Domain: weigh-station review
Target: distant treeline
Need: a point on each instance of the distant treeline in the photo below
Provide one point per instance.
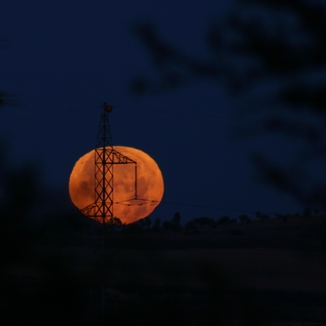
(77, 223)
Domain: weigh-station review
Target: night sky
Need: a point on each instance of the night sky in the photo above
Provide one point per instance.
(61, 61)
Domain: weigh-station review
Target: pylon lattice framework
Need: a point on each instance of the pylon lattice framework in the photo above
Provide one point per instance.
(105, 159)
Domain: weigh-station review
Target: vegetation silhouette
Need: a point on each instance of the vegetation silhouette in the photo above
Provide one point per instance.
(174, 224)
(33, 285)
(271, 55)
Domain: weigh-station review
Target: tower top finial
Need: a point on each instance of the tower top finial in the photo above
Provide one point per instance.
(107, 108)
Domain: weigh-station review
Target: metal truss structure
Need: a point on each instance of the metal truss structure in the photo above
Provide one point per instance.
(105, 159)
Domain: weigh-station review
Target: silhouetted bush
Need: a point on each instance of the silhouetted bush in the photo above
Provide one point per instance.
(201, 221)
(243, 218)
(223, 220)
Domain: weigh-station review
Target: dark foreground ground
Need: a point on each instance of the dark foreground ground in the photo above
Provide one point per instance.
(262, 273)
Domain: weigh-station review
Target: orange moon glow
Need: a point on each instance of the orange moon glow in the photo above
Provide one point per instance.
(150, 186)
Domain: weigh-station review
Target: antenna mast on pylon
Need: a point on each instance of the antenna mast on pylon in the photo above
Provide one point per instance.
(105, 159)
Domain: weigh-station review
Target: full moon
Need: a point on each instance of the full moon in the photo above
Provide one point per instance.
(150, 186)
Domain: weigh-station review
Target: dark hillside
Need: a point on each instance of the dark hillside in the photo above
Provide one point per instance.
(237, 274)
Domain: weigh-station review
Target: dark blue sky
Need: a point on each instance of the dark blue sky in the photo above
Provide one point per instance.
(59, 57)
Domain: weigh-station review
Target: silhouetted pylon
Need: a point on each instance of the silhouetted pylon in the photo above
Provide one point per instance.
(105, 159)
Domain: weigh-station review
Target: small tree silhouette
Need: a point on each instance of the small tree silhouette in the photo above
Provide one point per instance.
(156, 226)
(243, 218)
(223, 220)
(174, 224)
(176, 217)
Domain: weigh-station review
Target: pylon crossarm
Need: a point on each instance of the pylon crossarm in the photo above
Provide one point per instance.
(119, 158)
(111, 156)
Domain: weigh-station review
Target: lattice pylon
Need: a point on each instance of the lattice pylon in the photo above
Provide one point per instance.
(105, 159)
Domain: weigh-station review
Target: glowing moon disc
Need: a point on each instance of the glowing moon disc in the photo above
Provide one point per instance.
(150, 186)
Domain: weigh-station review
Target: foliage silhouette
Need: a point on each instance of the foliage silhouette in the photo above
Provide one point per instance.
(26, 296)
(174, 224)
(200, 221)
(176, 217)
(244, 218)
(224, 220)
(157, 224)
(272, 55)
